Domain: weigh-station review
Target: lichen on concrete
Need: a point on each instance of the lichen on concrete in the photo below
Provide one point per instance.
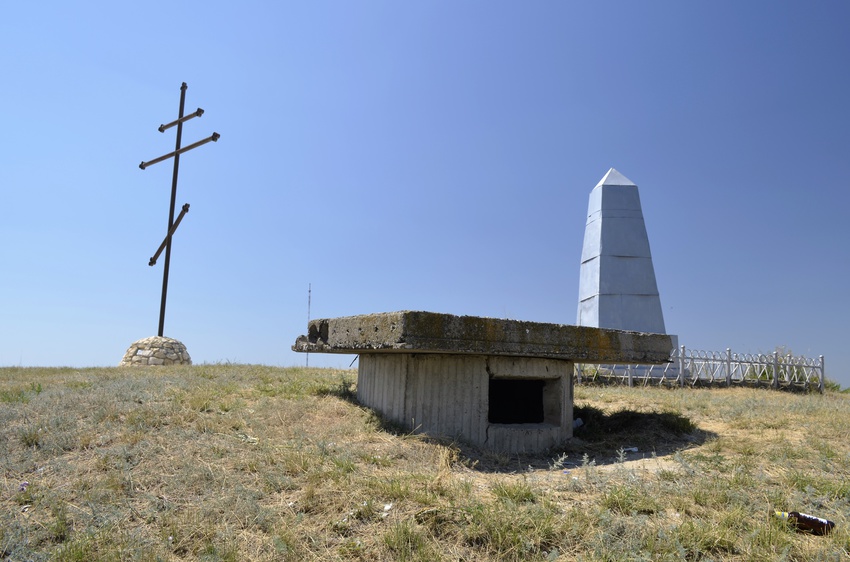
(430, 332)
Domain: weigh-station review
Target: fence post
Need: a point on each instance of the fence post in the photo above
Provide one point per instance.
(775, 369)
(790, 369)
(682, 366)
(728, 367)
(822, 378)
(629, 370)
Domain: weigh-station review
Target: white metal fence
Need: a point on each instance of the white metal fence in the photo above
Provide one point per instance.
(695, 367)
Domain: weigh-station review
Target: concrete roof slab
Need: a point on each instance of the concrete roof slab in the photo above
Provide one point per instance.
(431, 332)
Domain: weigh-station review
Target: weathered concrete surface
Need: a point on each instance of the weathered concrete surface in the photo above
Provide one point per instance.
(449, 395)
(505, 385)
(431, 332)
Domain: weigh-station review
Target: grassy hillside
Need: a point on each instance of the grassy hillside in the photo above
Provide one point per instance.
(242, 462)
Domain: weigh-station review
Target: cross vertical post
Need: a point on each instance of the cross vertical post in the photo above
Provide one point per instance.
(171, 210)
(172, 225)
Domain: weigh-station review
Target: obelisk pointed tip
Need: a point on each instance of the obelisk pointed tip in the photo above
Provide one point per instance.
(613, 177)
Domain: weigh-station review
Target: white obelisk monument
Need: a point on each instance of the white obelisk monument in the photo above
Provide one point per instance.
(617, 288)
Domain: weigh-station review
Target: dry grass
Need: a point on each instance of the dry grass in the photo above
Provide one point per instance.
(240, 462)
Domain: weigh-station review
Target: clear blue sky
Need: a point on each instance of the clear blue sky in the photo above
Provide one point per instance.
(417, 155)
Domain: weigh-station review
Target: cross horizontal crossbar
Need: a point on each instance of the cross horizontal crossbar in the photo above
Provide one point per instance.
(198, 113)
(214, 138)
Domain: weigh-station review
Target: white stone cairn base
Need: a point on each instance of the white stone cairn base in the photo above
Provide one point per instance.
(156, 350)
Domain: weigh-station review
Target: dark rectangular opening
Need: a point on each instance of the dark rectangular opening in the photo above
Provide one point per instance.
(516, 401)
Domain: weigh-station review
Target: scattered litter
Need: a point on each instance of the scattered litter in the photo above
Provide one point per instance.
(387, 508)
(630, 449)
(566, 471)
(25, 508)
(805, 522)
(23, 486)
(578, 422)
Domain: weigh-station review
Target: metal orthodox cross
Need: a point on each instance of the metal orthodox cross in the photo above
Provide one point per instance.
(172, 224)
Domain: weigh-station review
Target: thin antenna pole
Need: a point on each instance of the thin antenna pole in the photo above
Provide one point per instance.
(309, 298)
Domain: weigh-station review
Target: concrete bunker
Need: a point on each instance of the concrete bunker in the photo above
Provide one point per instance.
(504, 385)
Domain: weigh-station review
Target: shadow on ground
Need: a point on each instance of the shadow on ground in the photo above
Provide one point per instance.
(603, 438)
